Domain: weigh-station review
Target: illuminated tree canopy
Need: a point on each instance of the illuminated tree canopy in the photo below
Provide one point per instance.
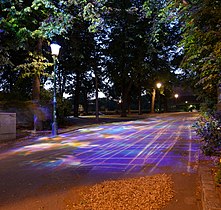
(128, 44)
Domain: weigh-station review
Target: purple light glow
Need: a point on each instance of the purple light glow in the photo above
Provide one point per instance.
(143, 146)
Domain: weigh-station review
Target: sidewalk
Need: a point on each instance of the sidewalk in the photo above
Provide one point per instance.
(210, 194)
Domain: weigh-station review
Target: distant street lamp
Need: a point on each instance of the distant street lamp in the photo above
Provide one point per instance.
(176, 95)
(55, 52)
(158, 85)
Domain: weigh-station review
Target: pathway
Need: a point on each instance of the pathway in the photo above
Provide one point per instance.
(164, 143)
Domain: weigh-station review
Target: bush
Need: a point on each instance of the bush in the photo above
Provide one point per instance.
(209, 128)
(63, 110)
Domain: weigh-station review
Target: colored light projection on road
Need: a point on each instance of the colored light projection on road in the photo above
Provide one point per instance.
(142, 146)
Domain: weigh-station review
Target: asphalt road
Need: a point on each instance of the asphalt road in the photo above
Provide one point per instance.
(164, 143)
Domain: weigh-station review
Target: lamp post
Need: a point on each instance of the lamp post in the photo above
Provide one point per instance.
(55, 52)
(158, 85)
(176, 97)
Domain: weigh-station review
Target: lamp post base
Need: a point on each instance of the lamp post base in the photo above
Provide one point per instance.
(54, 129)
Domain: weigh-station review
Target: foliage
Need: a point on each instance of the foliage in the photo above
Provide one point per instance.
(34, 65)
(133, 44)
(27, 23)
(124, 50)
(63, 110)
(78, 63)
(209, 128)
(201, 43)
(137, 48)
(14, 86)
(41, 18)
(31, 25)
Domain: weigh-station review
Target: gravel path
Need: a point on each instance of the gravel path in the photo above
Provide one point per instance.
(151, 192)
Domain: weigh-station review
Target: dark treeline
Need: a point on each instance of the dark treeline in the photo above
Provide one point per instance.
(121, 48)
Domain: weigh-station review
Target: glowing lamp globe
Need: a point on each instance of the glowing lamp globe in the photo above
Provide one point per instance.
(159, 85)
(55, 48)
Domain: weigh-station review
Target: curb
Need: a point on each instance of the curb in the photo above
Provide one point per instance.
(210, 197)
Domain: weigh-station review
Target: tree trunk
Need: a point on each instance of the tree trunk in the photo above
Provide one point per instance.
(125, 94)
(153, 100)
(159, 102)
(128, 104)
(139, 103)
(124, 104)
(36, 99)
(76, 95)
(36, 88)
(165, 104)
(36, 93)
(124, 108)
(97, 109)
(85, 104)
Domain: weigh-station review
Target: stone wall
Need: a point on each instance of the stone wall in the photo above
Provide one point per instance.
(25, 112)
(7, 126)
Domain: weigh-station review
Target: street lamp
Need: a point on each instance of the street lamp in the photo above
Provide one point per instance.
(55, 52)
(158, 85)
(176, 95)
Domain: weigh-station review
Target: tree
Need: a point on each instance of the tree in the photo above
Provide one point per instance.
(78, 62)
(124, 46)
(140, 46)
(201, 44)
(33, 24)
